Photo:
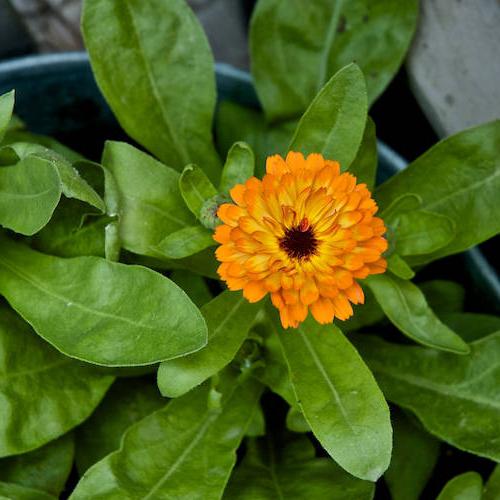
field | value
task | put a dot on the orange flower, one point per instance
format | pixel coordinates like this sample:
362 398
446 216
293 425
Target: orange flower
304 234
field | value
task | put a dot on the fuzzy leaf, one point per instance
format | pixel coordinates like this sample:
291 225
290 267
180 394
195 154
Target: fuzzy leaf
153 64
334 123
99 311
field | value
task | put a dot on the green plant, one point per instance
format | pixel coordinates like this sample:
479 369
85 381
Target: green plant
86 320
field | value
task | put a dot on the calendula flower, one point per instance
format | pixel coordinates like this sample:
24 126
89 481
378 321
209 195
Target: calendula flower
304 233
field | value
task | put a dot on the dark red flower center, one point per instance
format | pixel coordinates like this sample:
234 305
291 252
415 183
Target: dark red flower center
299 242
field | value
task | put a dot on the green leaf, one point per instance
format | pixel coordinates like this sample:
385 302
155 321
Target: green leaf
127 402
471 326
458 178
12 491
404 203
73 185
186 242
45 469
70 233
257 426
16 135
296 46
399 267
29 194
455 397
492 486
6 109
467 486
346 410
153 64
151 206
406 307
422 232
237 123
414 456
99 311
295 421
334 123
229 317
268 474
195 286
274 374
195 188
444 296
239 166
43 393
186 450
364 165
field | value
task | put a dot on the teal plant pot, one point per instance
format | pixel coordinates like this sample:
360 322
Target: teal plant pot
56 95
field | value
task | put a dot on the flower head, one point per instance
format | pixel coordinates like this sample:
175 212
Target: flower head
304 234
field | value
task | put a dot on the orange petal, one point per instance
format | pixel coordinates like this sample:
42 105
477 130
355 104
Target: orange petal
237 194
309 292
343 278
343 308
273 282
323 311
298 312
295 161
275 165
229 213
222 233
349 219
315 162
355 294
254 291
226 253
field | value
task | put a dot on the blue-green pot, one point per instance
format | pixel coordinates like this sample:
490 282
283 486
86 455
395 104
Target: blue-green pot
56 95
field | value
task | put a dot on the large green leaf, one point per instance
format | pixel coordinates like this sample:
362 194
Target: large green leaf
100 311
274 374
364 165
237 123
292 473
297 46
334 123
45 469
467 486
71 232
195 286
6 109
186 450
492 486
229 317
239 166
153 64
444 296
458 178
196 188
151 206
455 397
127 402
406 307
471 326
17 134
339 398
421 232
12 491
186 242
72 184
414 455
43 393
29 193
